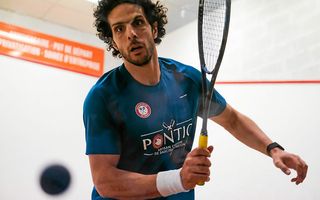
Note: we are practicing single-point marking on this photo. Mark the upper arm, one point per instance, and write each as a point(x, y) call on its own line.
point(101, 132)
point(227, 118)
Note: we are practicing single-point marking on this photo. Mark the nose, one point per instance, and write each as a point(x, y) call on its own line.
point(131, 32)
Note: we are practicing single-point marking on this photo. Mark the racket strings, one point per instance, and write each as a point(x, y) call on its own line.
point(212, 31)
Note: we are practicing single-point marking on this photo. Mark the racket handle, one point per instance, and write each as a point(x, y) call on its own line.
point(203, 143)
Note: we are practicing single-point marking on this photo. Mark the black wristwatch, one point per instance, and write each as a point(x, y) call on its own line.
point(272, 146)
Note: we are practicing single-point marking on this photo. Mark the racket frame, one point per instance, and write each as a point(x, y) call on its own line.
point(207, 91)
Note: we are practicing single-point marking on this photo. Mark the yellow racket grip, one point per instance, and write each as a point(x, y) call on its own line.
point(203, 143)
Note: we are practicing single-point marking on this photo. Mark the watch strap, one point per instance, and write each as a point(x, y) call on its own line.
point(272, 146)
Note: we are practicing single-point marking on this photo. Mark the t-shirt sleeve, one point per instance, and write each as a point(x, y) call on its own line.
point(100, 131)
point(218, 104)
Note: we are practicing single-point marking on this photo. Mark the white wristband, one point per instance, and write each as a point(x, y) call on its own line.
point(169, 182)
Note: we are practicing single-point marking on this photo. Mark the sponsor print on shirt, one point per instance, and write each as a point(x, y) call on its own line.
point(173, 135)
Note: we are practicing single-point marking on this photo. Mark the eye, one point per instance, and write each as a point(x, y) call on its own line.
point(138, 22)
point(118, 29)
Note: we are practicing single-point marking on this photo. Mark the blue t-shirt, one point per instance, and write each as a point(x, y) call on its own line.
point(152, 128)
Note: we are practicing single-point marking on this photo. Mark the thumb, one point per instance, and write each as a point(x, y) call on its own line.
point(210, 148)
point(282, 166)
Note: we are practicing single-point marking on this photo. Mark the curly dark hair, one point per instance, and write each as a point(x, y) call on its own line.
point(154, 12)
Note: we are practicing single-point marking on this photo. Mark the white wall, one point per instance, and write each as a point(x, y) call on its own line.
point(41, 118)
point(41, 106)
point(268, 40)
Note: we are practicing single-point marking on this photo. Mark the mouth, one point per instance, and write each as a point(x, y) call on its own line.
point(136, 48)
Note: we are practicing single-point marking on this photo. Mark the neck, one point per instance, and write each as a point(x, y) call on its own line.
point(148, 74)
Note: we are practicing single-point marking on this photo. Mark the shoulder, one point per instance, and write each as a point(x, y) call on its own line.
point(107, 86)
point(181, 68)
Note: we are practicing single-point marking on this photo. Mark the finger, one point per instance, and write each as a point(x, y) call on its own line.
point(293, 179)
point(197, 161)
point(305, 171)
point(210, 149)
point(201, 178)
point(197, 175)
point(300, 175)
point(202, 161)
point(302, 169)
point(283, 167)
point(200, 152)
point(200, 170)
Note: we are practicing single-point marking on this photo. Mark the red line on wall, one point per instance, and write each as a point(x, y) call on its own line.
point(270, 82)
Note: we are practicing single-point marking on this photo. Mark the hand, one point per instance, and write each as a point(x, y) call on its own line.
point(286, 161)
point(195, 168)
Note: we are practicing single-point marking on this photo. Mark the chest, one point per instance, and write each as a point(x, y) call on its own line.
point(158, 118)
point(145, 109)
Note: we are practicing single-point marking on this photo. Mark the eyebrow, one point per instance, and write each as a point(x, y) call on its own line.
point(124, 22)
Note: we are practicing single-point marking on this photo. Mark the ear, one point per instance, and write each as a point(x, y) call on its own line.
point(115, 45)
point(155, 30)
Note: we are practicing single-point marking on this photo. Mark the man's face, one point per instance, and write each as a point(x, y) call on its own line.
point(133, 36)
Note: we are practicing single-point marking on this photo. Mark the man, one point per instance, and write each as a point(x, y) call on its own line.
point(140, 117)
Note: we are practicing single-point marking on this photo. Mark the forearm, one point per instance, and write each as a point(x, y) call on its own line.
point(112, 182)
point(248, 132)
point(120, 184)
point(243, 128)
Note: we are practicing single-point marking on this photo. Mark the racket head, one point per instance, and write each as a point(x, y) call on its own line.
point(213, 28)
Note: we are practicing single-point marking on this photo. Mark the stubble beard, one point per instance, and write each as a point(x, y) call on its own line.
point(140, 61)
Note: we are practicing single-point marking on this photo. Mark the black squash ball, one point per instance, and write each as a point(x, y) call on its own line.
point(55, 179)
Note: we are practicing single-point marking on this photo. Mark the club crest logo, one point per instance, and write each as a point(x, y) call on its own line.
point(143, 110)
